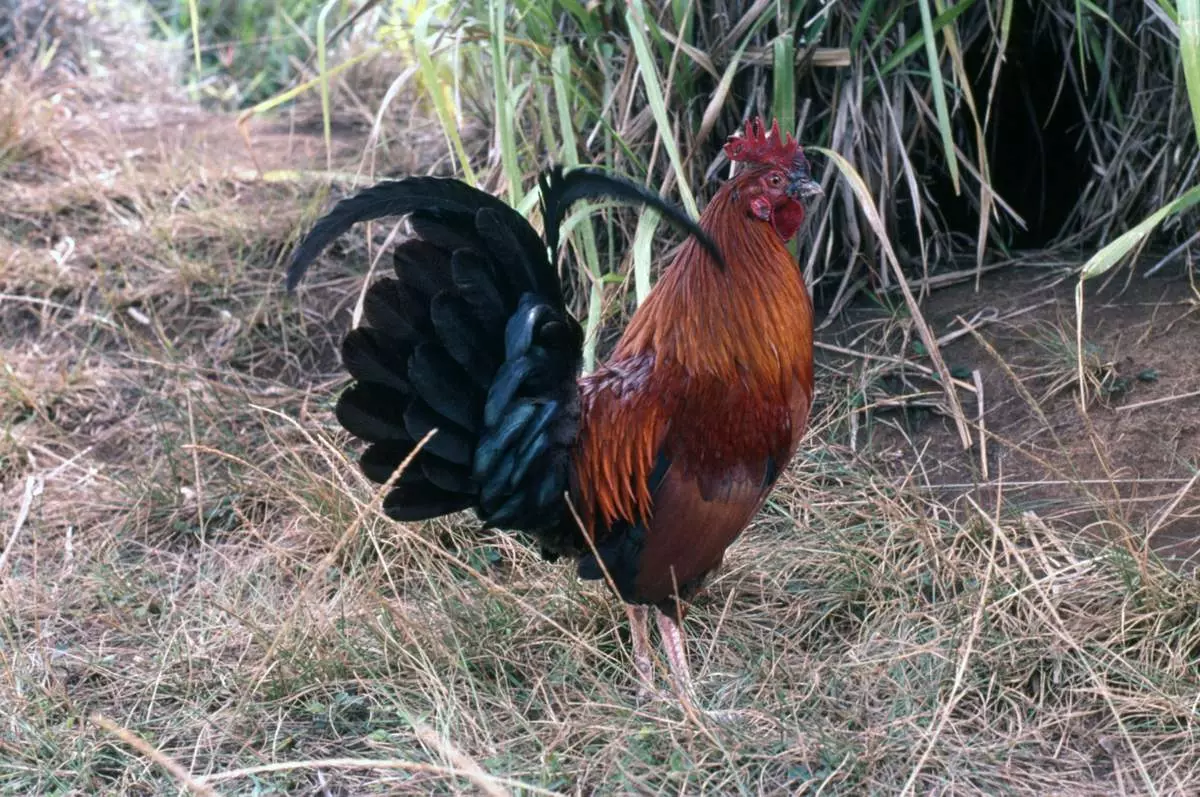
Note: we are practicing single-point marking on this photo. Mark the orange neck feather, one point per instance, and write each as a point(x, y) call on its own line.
point(735, 343)
point(752, 318)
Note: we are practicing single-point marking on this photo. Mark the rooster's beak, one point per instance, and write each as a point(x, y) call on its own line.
point(803, 187)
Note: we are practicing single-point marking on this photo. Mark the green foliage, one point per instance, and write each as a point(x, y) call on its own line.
point(241, 51)
point(1189, 50)
point(904, 90)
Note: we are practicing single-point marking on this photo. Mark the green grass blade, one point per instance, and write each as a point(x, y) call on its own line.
point(323, 75)
point(1112, 254)
point(1079, 41)
point(963, 80)
point(1112, 23)
point(685, 32)
point(1189, 53)
point(437, 90)
point(783, 75)
point(504, 117)
point(586, 20)
point(865, 15)
point(643, 252)
point(721, 93)
point(560, 68)
point(1133, 238)
point(636, 18)
point(916, 41)
point(545, 120)
point(1169, 10)
point(939, 94)
point(1001, 49)
point(194, 12)
point(527, 203)
point(271, 103)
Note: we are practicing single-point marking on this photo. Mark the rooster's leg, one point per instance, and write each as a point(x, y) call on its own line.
point(639, 633)
point(672, 638)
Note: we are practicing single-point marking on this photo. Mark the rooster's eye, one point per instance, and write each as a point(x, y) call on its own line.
point(775, 180)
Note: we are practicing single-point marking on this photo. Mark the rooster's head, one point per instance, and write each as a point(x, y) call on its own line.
point(775, 182)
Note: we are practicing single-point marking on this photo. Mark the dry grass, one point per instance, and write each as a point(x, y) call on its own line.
point(26, 115)
point(198, 591)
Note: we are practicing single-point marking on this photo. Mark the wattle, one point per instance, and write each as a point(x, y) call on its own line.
point(788, 217)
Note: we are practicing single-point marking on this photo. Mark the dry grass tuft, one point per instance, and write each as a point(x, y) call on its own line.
point(26, 126)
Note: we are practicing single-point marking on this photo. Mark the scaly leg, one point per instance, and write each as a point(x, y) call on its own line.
point(672, 638)
point(639, 634)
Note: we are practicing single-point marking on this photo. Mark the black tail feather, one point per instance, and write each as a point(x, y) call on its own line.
point(389, 307)
point(560, 191)
point(451, 443)
point(400, 198)
point(471, 339)
point(380, 460)
point(441, 381)
point(413, 258)
point(465, 339)
point(477, 287)
point(371, 357)
point(445, 476)
point(446, 232)
point(375, 413)
point(410, 503)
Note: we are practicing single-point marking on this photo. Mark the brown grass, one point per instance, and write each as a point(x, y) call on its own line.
point(26, 115)
point(198, 590)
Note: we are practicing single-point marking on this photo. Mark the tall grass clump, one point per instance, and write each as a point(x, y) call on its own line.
point(923, 100)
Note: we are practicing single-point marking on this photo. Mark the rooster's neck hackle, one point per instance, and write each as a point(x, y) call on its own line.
point(752, 319)
point(720, 358)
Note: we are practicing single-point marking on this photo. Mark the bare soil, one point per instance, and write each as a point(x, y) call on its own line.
point(176, 132)
point(1134, 450)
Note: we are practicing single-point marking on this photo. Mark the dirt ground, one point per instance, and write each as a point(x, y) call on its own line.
point(1135, 450)
point(185, 134)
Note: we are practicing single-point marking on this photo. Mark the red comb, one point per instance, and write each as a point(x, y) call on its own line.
point(757, 145)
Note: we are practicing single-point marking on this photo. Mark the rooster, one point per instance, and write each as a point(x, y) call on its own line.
point(643, 471)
